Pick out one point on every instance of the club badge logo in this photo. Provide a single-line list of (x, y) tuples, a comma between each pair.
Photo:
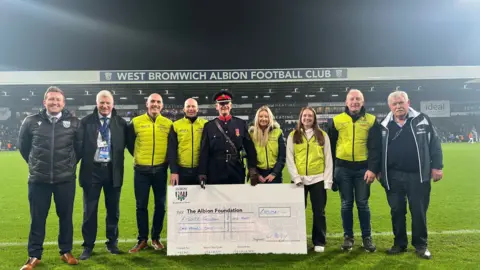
[(181, 195)]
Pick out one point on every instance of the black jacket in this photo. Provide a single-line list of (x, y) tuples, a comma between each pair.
[(373, 146), (214, 147), (51, 151), (118, 130), (429, 149)]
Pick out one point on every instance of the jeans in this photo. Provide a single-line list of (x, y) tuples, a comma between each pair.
[(143, 181), (352, 187)]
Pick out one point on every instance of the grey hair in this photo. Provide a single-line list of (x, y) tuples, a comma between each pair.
[(397, 94), (356, 91), (104, 93)]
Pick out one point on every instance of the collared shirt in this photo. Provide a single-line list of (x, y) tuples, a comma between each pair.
[(100, 140), (58, 116), (406, 118)]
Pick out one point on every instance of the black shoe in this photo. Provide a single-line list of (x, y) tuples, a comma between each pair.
[(87, 252), (424, 253), (396, 250), (347, 243), (113, 250), (368, 244)]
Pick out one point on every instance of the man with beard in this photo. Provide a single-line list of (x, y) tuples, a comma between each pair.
[(184, 146), (102, 168), (147, 142), (223, 140)]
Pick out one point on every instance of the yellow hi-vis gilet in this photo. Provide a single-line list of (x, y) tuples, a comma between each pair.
[(189, 136), (151, 140), (267, 155), (352, 137), (309, 157)]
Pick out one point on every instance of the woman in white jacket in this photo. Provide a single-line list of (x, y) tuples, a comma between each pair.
[(309, 162)]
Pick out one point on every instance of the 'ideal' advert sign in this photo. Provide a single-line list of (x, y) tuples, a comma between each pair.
[(435, 108)]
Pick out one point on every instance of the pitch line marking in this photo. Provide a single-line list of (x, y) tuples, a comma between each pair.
[(332, 235)]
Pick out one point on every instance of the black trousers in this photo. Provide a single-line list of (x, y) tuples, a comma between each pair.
[(157, 181), (222, 172), (40, 198), (403, 186), (188, 176), (101, 178), (264, 173), (318, 199)]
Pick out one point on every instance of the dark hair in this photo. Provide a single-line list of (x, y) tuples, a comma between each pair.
[(53, 89), (317, 132)]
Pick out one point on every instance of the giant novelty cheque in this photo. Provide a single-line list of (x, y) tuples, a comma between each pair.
[(230, 219)]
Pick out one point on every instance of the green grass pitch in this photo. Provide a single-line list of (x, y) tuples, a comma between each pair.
[(453, 220)]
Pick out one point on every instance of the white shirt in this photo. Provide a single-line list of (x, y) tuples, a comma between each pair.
[(58, 116), (326, 176), (100, 140)]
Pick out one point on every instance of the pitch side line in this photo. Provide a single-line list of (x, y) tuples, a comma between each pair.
[(332, 235)]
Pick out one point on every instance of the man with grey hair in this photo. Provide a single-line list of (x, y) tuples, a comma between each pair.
[(355, 139), (184, 146), (102, 168), (411, 156)]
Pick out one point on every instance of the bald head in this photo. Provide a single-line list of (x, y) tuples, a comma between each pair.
[(191, 107), (354, 101), (154, 105)]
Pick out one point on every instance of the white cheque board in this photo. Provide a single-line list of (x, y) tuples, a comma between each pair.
[(230, 219)]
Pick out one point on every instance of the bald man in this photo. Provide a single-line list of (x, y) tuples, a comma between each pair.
[(355, 139), (184, 146), (148, 138)]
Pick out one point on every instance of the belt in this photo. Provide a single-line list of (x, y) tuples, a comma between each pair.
[(227, 157), (101, 164)]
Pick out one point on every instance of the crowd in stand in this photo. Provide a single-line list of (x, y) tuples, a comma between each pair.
[(452, 129), (8, 137)]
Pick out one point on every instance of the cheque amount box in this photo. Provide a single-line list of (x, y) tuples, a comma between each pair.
[(232, 219), (272, 212)]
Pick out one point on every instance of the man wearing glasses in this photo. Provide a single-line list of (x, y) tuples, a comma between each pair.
[(223, 140), (411, 156)]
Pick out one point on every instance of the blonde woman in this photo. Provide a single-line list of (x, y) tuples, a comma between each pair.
[(270, 146), (309, 161)]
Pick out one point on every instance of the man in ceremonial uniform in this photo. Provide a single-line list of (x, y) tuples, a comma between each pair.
[(223, 140), (184, 146)]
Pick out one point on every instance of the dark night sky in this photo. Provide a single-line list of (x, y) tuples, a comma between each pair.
[(91, 35)]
